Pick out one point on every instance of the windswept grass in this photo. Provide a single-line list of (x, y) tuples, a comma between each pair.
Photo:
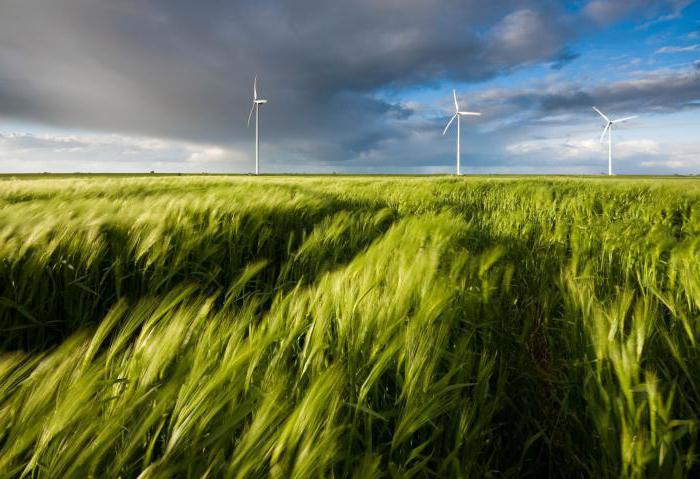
[(349, 327)]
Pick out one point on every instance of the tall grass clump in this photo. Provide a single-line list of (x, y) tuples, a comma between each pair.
[(349, 327)]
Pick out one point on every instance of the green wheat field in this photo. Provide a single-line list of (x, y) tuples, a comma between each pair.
[(300, 327)]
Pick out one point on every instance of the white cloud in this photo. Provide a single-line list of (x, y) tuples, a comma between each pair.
[(212, 154), (27, 152), (676, 12), (666, 164), (583, 148), (678, 49)]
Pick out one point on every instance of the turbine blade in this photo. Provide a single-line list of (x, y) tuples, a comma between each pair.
[(454, 94), (601, 114), (255, 88), (470, 113), (250, 115), (449, 123), (625, 119), (602, 136)]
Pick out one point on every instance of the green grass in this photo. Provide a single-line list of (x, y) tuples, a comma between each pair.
[(214, 326)]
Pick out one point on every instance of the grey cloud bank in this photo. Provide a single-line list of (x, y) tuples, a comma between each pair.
[(662, 91), (183, 70)]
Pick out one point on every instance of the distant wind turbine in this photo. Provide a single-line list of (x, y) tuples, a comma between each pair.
[(256, 105), (608, 129), (458, 114)]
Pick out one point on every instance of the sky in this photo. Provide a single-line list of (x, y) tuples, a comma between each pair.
[(362, 86)]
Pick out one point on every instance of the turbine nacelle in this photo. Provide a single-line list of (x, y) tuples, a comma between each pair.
[(609, 123), (608, 129), (255, 108), (256, 101), (458, 114), (462, 113)]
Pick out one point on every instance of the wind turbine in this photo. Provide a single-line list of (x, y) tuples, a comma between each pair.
[(608, 128), (256, 106), (458, 114)]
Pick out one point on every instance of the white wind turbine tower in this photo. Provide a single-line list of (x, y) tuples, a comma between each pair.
[(608, 129), (458, 114), (256, 105)]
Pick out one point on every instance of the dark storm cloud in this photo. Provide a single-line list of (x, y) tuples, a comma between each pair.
[(183, 70), (663, 92)]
